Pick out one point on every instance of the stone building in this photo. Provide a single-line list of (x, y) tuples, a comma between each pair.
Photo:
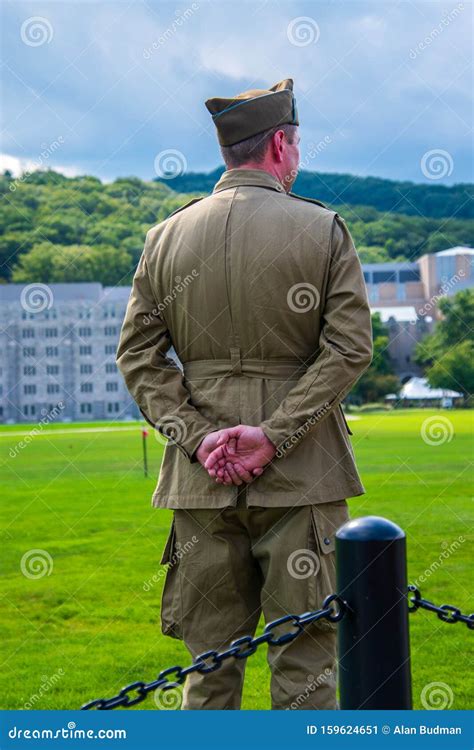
[(406, 296), (57, 352)]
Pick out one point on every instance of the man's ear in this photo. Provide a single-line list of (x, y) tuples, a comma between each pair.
[(277, 145)]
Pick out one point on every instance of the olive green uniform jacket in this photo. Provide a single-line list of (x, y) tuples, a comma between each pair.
[(262, 295)]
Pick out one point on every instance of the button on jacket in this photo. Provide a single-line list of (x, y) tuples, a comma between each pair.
[(262, 295)]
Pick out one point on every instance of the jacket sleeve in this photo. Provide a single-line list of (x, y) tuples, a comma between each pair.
[(344, 349), (154, 381)]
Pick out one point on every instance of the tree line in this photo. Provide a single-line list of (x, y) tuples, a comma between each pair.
[(59, 229)]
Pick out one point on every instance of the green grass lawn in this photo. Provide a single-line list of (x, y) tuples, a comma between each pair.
[(89, 627)]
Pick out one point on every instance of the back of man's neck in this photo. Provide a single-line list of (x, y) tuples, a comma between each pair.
[(260, 168)]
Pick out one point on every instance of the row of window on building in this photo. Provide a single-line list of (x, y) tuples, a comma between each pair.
[(52, 314), (84, 369), (53, 351), (30, 389), (52, 333), (395, 276)]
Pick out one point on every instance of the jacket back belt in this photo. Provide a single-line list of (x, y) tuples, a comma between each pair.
[(268, 369)]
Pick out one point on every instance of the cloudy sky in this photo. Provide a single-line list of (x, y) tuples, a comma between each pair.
[(118, 88)]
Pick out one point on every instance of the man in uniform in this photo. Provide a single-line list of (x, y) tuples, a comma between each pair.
[(262, 296)]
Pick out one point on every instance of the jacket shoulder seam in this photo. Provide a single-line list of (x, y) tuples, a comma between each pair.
[(308, 200), (186, 205)]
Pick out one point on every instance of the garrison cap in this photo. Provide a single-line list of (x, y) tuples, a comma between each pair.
[(252, 112)]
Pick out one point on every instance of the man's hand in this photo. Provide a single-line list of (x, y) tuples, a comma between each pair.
[(240, 455), (208, 446)]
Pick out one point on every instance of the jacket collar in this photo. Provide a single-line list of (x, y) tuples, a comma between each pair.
[(237, 177)]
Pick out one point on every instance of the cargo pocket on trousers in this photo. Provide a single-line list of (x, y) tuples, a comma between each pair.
[(326, 519), (170, 600)]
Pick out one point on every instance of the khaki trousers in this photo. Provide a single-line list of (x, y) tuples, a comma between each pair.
[(227, 566)]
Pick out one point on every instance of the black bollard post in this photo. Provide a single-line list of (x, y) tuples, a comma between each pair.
[(373, 638)]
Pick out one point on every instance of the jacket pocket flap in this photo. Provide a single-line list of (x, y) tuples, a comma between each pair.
[(327, 519)]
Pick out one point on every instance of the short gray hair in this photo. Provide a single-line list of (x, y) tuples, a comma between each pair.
[(255, 147)]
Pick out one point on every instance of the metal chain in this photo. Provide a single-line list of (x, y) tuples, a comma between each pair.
[(244, 647), (445, 612), (210, 661)]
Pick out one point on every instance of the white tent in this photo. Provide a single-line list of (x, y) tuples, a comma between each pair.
[(400, 313), (418, 389)]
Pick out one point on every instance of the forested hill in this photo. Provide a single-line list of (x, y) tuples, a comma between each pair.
[(60, 229), (413, 199)]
